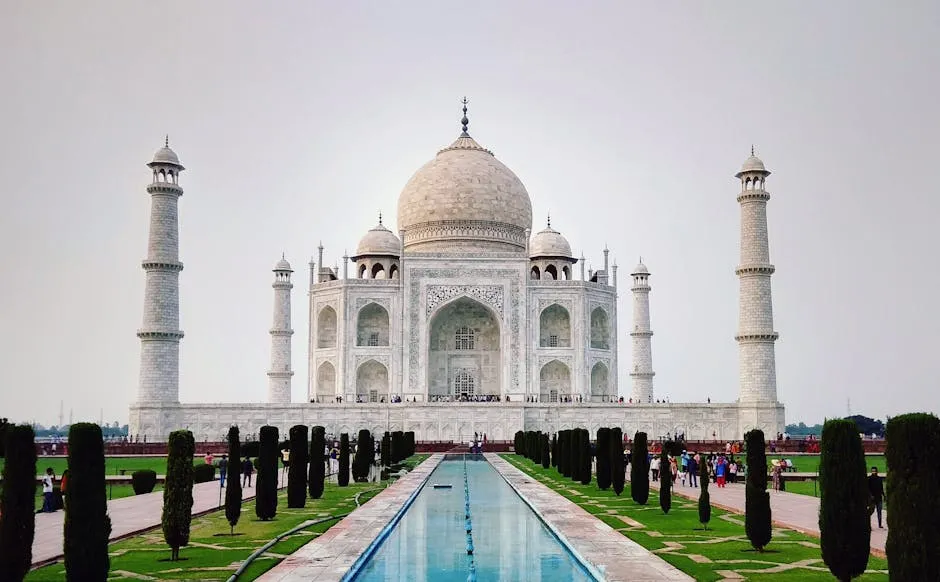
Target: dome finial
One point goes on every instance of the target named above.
(464, 121)
(380, 217)
(752, 149)
(549, 220)
(166, 141)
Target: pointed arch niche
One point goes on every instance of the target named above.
(372, 382)
(326, 328)
(326, 383)
(555, 327)
(600, 329)
(372, 326)
(554, 382)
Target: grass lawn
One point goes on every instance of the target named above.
(112, 465)
(810, 463)
(213, 554)
(679, 538)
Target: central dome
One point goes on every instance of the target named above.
(464, 200)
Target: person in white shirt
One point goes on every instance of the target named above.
(47, 481)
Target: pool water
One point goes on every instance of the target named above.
(510, 541)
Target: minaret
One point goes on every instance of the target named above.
(160, 333)
(642, 373)
(756, 335)
(280, 374)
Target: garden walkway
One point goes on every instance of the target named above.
(129, 515)
(792, 510)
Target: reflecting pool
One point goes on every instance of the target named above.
(510, 542)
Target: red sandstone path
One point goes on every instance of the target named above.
(129, 515)
(791, 510)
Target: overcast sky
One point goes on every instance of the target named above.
(300, 123)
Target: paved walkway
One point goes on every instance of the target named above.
(791, 510)
(129, 515)
(329, 556)
(615, 555)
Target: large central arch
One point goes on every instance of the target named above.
(464, 356)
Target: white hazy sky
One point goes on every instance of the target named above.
(300, 121)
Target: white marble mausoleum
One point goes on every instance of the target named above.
(463, 321)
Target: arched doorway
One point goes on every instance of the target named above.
(372, 326)
(463, 352)
(600, 329)
(555, 327)
(326, 383)
(372, 382)
(600, 385)
(326, 328)
(554, 382)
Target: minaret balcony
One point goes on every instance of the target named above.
(159, 334)
(165, 188)
(757, 337)
(755, 270)
(282, 374)
(642, 374)
(157, 265)
(641, 333)
(282, 332)
(754, 196)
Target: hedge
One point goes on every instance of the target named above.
(203, 473)
(665, 480)
(363, 457)
(178, 491)
(585, 456)
(704, 500)
(757, 519)
(267, 480)
(546, 452)
(233, 488)
(317, 471)
(844, 522)
(913, 488)
(519, 443)
(143, 481)
(17, 518)
(87, 525)
(602, 452)
(297, 469)
(342, 479)
(639, 470)
(617, 468)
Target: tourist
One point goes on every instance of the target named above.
(720, 467)
(775, 473)
(48, 479)
(685, 466)
(654, 468)
(877, 492)
(208, 458)
(693, 470)
(247, 469)
(732, 471)
(63, 483)
(223, 469)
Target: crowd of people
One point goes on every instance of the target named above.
(685, 468)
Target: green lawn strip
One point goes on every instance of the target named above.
(113, 465)
(213, 554)
(679, 538)
(810, 463)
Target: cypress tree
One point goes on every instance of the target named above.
(571, 455)
(386, 449)
(586, 457)
(17, 519)
(178, 491)
(555, 450)
(617, 468)
(297, 470)
(546, 453)
(317, 471)
(233, 491)
(704, 500)
(757, 518)
(665, 479)
(87, 525)
(343, 478)
(359, 468)
(912, 484)
(602, 452)
(266, 483)
(519, 443)
(410, 445)
(398, 447)
(844, 522)
(562, 438)
(639, 470)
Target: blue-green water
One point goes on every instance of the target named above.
(510, 541)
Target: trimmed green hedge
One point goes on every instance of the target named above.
(266, 483)
(203, 473)
(757, 519)
(233, 484)
(178, 491)
(143, 481)
(639, 470)
(87, 525)
(17, 519)
(297, 469)
(317, 471)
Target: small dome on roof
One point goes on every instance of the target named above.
(379, 241)
(753, 164)
(549, 243)
(165, 155)
(640, 269)
(283, 265)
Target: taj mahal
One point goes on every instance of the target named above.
(464, 320)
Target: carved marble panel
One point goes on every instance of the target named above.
(491, 295)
